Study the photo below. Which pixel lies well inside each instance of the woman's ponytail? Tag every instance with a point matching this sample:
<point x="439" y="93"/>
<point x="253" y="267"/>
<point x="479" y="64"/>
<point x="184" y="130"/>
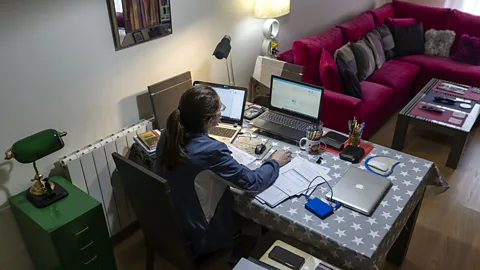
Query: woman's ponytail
<point x="173" y="152"/>
<point x="196" y="107"/>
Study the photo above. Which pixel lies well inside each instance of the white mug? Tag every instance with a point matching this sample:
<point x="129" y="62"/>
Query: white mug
<point x="309" y="146"/>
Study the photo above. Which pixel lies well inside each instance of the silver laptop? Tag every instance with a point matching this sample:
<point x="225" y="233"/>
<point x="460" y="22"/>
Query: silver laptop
<point x="233" y="98"/>
<point x="360" y="190"/>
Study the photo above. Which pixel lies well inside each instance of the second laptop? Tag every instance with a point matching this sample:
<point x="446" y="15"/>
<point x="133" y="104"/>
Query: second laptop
<point x="293" y="107"/>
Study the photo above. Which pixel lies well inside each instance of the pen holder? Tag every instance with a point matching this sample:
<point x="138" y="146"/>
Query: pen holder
<point x="309" y="146"/>
<point x="354" y="139"/>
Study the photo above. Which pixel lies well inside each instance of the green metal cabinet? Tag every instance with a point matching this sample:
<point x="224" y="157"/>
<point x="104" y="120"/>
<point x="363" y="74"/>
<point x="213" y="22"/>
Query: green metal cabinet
<point x="69" y="234"/>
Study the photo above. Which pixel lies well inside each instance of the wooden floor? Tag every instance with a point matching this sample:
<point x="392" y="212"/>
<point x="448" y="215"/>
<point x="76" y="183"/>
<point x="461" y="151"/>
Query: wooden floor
<point x="447" y="234"/>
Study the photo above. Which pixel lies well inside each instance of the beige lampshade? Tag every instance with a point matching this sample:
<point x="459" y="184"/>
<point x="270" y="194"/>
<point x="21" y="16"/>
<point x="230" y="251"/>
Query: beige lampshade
<point x="266" y="9"/>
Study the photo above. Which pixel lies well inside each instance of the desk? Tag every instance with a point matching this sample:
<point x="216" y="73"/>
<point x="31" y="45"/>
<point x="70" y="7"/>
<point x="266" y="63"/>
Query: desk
<point x="348" y="239"/>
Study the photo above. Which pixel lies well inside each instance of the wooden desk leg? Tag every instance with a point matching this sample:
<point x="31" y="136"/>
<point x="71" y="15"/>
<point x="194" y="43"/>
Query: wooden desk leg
<point x="458" y="143"/>
<point x="398" y="252"/>
<point x="400" y="132"/>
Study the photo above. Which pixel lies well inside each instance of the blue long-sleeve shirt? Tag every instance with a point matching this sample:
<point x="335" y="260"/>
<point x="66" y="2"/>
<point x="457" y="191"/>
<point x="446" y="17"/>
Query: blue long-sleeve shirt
<point x="201" y="194"/>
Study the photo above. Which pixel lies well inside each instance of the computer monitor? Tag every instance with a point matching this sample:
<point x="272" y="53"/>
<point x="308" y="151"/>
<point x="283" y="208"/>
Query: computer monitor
<point x="296" y="98"/>
<point x="232" y="97"/>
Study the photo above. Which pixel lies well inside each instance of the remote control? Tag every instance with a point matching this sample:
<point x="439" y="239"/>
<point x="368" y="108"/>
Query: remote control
<point x="432" y="109"/>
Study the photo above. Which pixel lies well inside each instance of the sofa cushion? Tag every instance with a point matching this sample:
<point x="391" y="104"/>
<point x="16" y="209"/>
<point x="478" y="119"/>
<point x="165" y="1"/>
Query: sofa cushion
<point x="463" y="23"/>
<point x="432" y="17"/>
<point x="374" y="41"/>
<point x="385" y="11"/>
<point x="388" y="43"/>
<point x="358" y="27"/>
<point x="439" y="42"/>
<point x="390" y="22"/>
<point x="307" y="52"/>
<point x="468" y="50"/>
<point x="376" y="106"/>
<point x="364" y="58"/>
<point x="397" y="75"/>
<point x="330" y="73"/>
<point x="445" y="68"/>
<point x="409" y="40"/>
<point x="345" y="59"/>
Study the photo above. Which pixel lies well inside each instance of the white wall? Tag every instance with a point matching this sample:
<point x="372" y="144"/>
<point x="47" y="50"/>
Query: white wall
<point x="59" y="69"/>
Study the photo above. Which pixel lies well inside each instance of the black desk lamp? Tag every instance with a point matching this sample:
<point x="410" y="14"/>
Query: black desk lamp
<point x="222" y="51"/>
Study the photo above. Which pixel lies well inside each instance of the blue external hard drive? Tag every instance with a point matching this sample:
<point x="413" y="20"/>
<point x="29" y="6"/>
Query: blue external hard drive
<point x="319" y="208"/>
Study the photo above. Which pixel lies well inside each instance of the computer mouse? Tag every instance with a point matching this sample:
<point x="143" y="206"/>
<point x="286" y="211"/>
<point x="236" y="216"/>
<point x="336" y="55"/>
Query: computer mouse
<point x="260" y="149"/>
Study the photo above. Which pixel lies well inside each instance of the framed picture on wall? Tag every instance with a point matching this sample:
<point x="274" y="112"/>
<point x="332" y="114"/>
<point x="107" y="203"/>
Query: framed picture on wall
<point x="138" y="36"/>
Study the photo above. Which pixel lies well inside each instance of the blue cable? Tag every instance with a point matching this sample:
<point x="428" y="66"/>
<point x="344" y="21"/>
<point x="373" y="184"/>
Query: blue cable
<point x="372" y="171"/>
<point x="331" y="190"/>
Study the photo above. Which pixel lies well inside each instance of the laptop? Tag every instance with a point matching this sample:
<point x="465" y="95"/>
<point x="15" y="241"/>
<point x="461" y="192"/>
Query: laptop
<point x="293" y="107"/>
<point x="233" y="98"/>
<point x="360" y="190"/>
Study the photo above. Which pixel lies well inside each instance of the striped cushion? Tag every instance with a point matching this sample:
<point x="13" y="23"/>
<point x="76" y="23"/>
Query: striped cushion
<point x="365" y="59"/>
<point x="374" y="41"/>
<point x="345" y="59"/>
<point x="388" y="42"/>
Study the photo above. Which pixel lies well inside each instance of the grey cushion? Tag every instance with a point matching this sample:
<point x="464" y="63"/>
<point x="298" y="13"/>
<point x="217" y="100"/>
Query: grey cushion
<point x="388" y="42"/>
<point x="345" y="59"/>
<point x="364" y="58"/>
<point x="439" y="42"/>
<point x="374" y="41"/>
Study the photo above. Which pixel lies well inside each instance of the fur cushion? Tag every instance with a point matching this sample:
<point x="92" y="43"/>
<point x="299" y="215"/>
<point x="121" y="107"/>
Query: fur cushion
<point x="439" y="42"/>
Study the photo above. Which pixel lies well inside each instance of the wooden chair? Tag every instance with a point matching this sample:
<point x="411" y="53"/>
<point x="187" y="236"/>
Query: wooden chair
<point x="149" y="195"/>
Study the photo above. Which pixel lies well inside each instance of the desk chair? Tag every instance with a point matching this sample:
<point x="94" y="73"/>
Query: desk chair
<point x="149" y="195"/>
<point x="166" y="94"/>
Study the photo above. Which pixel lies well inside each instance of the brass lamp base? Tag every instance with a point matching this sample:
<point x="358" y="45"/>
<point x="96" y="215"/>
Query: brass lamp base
<point x="39" y="197"/>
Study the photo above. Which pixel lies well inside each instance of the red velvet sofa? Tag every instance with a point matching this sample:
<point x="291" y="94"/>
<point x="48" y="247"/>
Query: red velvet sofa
<point x="398" y="80"/>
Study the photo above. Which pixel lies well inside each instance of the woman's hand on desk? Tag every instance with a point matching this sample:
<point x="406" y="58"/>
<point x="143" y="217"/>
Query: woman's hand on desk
<point x="282" y="157"/>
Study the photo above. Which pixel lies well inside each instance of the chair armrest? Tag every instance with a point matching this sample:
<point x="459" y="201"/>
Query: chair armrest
<point x="287" y="57"/>
<point x="337" y="109"/>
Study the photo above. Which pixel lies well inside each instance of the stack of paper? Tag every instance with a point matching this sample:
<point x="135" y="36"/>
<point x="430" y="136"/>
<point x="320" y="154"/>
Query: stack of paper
<point x="294" y="179"/>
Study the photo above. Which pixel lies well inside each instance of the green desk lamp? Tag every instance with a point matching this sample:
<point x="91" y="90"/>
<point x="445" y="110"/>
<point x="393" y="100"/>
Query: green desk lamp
<point x="32" y="148"/>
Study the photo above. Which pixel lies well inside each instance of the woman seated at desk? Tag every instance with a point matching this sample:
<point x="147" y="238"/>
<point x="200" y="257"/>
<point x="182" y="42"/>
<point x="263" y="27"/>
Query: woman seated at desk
<point x="199" y="170"/>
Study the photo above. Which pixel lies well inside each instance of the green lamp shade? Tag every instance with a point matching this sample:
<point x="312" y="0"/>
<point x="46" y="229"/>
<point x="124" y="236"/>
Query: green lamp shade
<point x="38" y="145"/>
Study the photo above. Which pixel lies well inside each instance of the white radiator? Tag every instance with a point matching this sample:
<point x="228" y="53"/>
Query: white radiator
<point x="91" y="168"/>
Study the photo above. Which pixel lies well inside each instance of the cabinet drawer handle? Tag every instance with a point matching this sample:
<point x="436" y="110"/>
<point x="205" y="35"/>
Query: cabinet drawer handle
<point x="89" y="244"/>
<point x="91" y="260"/>
<point x="82" y="231"/>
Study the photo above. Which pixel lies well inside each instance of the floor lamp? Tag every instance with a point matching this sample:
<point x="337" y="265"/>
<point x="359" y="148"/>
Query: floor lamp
<point x="222" y="51"/>
<point x="270" y="9"/>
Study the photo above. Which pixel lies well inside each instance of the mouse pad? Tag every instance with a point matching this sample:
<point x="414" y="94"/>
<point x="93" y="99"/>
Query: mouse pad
<point x="248" y="145"/>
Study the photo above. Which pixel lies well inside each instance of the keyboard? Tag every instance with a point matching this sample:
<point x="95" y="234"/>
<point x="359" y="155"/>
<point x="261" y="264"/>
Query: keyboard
<point x="222" y="132"/>
<point x="285" y="121"/>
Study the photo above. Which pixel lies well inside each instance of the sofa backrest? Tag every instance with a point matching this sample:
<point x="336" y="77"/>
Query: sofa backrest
<point x="463" y="23"/>
<point x="383" y="12"/>
<point x="307" y="53"/>
<point x="431" y="17"/>
<point x="358" y="27"/>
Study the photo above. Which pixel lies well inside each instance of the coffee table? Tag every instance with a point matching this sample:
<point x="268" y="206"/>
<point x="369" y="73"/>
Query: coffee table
<point x="458" y="129"/>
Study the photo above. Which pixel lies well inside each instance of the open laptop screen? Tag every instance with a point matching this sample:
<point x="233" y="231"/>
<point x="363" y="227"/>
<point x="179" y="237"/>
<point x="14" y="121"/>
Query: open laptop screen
<point x="233" y="98"/>
<point x="296" y="97"/>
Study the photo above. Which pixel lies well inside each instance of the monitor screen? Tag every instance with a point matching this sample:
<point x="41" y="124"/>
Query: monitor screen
<point x="296" y="97"/>
<point x="233" y="99"/>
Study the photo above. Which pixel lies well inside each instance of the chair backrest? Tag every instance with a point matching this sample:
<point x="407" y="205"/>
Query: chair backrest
<point x="166" y="94"/>
<point x="149" y="195"/>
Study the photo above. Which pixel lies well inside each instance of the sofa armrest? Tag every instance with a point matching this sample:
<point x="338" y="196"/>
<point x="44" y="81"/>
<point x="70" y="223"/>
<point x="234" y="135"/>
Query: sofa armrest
<point x="287" y="57"/>
<point x="337" y="109"/>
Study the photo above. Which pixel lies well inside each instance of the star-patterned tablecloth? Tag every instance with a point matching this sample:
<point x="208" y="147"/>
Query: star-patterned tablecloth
<point x="346" y="238"/>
